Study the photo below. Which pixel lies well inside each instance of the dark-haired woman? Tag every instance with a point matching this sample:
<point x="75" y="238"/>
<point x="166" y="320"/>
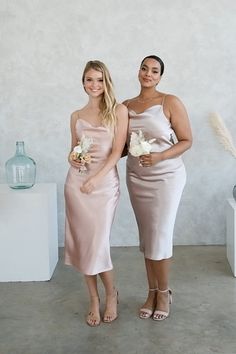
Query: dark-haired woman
<point x="155" y="181"/>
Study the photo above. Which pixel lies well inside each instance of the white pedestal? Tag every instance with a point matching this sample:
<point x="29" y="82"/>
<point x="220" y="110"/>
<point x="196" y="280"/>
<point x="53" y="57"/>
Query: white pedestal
<point x="28" y="233"/>
<point x="231" y="234"/>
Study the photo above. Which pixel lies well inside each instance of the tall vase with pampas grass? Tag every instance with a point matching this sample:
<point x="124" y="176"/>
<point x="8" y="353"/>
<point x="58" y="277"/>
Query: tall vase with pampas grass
<point x="224" y="136"/>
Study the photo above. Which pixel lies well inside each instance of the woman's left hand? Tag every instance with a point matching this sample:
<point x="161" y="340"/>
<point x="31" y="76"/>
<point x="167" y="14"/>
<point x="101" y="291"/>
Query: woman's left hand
<point x="150" y="159"/>
<point x="88" y="185"/>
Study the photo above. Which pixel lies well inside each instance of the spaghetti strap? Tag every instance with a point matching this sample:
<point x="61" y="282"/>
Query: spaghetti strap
<point x="163" y="100"/>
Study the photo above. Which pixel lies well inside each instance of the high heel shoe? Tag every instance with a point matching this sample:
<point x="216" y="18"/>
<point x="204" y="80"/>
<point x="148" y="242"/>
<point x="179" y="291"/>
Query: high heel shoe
<point x="146" y="312"/>
<point x="93" y="319"/>
<point x="160" y="315"/>
<point x="110" y="314"/>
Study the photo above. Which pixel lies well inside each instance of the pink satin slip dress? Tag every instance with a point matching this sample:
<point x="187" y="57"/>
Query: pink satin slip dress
<point x="89" y="217"/>
<point x="155" y="191"/>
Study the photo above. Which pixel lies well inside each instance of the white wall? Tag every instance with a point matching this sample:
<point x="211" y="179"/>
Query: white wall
<point x="44" y="46"/>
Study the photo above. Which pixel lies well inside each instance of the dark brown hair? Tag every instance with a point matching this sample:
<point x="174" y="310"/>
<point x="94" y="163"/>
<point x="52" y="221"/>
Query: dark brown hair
<point x="157" y="59"/>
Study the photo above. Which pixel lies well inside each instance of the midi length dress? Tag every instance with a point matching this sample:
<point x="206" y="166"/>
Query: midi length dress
<point x="155" y="191"/>
<point x="89" y="217"/>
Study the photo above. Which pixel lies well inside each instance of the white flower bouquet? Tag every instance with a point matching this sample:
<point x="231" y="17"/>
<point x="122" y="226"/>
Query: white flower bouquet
<point x="138" y="145"/>
<point x="81" y="154"/>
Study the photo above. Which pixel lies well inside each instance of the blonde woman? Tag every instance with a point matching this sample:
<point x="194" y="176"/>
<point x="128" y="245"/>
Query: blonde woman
<point x="91" y="197"/>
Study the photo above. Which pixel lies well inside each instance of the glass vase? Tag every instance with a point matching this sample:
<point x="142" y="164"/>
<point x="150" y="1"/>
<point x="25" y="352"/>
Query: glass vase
<point x="234" y="192"/>
<point x="20" y="169"/>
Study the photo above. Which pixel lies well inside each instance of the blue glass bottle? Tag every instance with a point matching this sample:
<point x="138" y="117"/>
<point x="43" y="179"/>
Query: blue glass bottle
<point x="20" y="169"/>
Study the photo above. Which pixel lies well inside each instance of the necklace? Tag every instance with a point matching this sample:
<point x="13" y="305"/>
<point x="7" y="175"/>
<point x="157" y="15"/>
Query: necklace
<point x="146" y="99"/>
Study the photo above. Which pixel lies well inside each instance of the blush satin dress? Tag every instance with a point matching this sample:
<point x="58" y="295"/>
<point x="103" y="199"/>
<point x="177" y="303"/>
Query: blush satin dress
<point x="155" y="191"/>
<point x="89" y="217"/>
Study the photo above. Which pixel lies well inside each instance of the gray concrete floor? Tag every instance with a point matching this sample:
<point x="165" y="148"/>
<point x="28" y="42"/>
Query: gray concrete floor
<point x="48" y="317"/>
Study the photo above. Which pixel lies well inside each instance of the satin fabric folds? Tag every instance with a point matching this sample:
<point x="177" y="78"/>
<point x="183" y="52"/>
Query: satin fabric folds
<point x="89" y="217"/>
<point x="155" y="191"/>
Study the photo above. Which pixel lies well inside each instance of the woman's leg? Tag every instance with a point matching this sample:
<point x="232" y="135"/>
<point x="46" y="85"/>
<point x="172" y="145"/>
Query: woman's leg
<point x="93" y="318"/>
<point x="161" y="271"/>
<point x="148" y="307"/>
<point x="110" y="313"/>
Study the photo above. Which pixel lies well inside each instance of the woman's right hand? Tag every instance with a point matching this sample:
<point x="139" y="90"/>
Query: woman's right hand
<point x="74" y="163"/>
<point x="151" y="159"/>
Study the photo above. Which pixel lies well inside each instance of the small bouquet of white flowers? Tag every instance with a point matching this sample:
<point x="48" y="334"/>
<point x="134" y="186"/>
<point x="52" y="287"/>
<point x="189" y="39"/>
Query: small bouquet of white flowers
<point x="138" y="145"/>
<point x="80" y="153"/>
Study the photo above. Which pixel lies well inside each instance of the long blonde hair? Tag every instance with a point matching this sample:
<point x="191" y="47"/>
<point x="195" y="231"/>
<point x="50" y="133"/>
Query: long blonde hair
<point x="108" y="102"/>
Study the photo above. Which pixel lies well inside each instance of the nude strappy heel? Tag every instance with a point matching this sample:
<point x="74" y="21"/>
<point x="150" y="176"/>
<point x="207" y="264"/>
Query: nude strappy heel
<point x="92" y="319"/>
<point x="146" y="312"/>
<point x="160" y="315"/>
<point x="111" y="315"/>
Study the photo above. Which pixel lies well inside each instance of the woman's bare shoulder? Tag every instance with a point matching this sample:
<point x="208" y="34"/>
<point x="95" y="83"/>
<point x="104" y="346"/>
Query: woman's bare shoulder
<point x="128" y="101"/>
<point x="76" y="114"/>
<point x="171" y="98"/>
<point x="121" y="108"/>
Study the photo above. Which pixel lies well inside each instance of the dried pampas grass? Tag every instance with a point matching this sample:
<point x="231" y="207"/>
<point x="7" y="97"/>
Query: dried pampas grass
<point x="223" y="133"/>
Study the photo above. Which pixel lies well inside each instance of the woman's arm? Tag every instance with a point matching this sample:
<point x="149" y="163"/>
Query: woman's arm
<point x="177" y="114"/>
<point x="74" y="138"/>
<point x="117" y="148"/>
